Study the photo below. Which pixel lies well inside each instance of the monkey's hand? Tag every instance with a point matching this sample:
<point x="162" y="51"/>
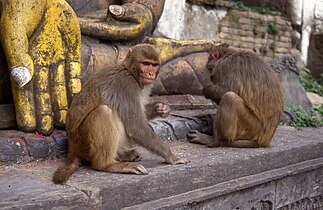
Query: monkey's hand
<point x="157" y="109"/>
<point x="213" y="92"/>
<point x="162" y="110"/>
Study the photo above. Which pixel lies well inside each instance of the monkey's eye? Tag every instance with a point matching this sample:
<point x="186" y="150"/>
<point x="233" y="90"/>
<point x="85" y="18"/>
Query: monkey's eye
<point x="155" y="64"/>
<point x="146" y="63"/>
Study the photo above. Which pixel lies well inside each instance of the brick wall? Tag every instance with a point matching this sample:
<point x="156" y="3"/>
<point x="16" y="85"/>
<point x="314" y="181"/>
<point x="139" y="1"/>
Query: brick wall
<point x="268" y="36"/>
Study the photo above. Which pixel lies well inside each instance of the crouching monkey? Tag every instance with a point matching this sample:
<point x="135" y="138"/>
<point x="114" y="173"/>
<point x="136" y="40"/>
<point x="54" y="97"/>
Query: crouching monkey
<point x="249" y="97"/>
<point x="111" y="112"/>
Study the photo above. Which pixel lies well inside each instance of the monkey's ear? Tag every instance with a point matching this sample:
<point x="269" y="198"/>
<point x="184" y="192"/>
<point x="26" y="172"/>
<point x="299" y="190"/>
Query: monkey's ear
<point x="215" y="54"/>
<point x="219" y="51"/>
<point x="128" y="55"/>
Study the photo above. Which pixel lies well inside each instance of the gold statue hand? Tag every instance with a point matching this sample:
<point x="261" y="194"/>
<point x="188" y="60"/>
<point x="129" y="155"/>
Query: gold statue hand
<point x="130" y="21"/>
<point x="41" y="40"/>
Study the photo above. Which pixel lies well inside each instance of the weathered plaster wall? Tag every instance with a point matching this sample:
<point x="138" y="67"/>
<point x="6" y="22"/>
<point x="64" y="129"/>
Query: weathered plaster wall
<point x="315" y="52"/>
<point x="318" y="18"/>
<point x="171" y="23"/>
<point x="184" y="21"/>
<point x="268" y="36"/>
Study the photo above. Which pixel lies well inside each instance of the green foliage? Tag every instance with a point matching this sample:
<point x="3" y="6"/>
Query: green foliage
<point x="273" y="46"/>
<point x="314" y="118"/>
<point x="238" y="5"/>
<point x="319" y="110"/>
<point x="312" y="85"/>
<point x="272" y="29"/>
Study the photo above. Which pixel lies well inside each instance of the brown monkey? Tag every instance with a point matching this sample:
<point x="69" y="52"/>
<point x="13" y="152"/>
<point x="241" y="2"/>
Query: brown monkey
<point x="249" y="97"/>
<point x="109" y="114"/>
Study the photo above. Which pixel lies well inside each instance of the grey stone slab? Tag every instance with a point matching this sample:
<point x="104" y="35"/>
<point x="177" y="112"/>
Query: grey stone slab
<point x="258" y="191"/>
<point x="37" y="145"/>
<point x="30" y="187"/>
<point x="209" y="167"/>
<point x="176" y="126"/>
<point x="295" y="188"/>
<point x="288" y="73"/>
<point x="185" y="102"/>
<point x="12" y="149"/>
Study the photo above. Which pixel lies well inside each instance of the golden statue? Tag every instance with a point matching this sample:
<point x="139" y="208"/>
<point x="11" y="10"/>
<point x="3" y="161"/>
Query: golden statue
<point x="127" y="22"/>
<point x="134" y="20"/>
<point x="41" y="40"/>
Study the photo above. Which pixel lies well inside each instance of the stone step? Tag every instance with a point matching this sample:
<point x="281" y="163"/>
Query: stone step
<point x="288" y="173"/>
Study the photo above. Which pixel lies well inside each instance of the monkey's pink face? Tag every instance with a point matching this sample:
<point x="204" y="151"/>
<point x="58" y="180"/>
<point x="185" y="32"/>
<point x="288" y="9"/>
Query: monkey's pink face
<point x="148" y="71"/>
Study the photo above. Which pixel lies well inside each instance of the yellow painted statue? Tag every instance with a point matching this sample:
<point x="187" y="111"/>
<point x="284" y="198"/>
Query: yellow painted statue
<point x="42" y="41"/>
<point x="134" y="21"/>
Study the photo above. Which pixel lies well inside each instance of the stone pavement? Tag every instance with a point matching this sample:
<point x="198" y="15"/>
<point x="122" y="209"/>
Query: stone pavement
<point x="288" y="174"/>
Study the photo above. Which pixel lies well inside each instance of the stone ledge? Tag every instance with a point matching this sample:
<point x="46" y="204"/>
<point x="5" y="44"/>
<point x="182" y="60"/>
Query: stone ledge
<point x="295" y="155"/>
<point x="194" y="198"/>
<point x="19" y="147"/>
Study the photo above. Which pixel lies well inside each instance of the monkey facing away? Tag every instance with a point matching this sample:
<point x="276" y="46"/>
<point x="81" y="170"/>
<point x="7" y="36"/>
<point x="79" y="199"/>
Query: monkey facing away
<point x="249" y="97"/>
<point x="110" y="113"/>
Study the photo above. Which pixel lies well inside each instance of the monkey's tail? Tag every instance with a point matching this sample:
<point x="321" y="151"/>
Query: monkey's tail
<point x="62" y="174"/>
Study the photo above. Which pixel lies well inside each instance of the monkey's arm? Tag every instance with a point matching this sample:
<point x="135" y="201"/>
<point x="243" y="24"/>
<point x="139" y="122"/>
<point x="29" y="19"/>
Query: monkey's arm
<point x="214" y="92"/>
<point x="142" y="134"/>
<point x="138" y="129"/>
<point x="157" y="109"/>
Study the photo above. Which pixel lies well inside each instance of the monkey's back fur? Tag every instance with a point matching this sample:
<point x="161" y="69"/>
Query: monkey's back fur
<point x="97" y="91"/>
<point x="255" y="82"/>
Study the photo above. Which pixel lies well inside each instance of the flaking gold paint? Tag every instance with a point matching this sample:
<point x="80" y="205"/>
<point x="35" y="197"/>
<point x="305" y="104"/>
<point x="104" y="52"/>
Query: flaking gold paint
<point x="46" y="123"/>
<point x="25" y="115"/>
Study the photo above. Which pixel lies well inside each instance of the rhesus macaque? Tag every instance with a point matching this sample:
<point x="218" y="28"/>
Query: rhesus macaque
<point x="249" y="97"/>
<point x="110" y="113"/>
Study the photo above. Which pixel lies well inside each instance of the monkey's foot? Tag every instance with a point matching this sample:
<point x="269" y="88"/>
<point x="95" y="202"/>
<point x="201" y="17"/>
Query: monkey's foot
<point x="129" y="156"/>
<point x="127" y="168"/>
<point x="196" y="137"/>
<point x="179" y="161"/>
